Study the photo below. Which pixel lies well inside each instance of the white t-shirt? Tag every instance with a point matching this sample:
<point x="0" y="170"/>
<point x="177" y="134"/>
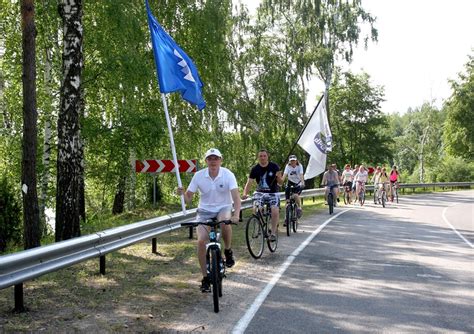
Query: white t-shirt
<point x="214" y="194"/>
<point x="362" y="176"/>
<point x="347" y="176"/>
<point x="293" y="173"/>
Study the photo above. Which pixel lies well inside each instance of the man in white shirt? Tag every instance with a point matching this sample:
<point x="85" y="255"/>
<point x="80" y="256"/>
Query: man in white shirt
<point x="218" y="189"/>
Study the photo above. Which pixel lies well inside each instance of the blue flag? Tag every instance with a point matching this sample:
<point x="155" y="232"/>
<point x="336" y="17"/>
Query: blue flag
<point x="175" y="70"/>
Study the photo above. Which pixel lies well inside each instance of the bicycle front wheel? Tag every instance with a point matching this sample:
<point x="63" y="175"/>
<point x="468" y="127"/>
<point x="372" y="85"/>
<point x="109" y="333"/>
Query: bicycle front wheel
<point x="215" y="281"/>
<point x="272" y="245"/>
<point x="288" y="219"/>
<point x="254" y="236"/>
<point x="383" y="199"/>
<point x="294" y="219"/>
<point x="396" y="194"/>
<point x="331" y="203"/>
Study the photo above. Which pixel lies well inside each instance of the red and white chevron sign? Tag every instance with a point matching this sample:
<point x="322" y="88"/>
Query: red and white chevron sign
<point x="165" y="166"/>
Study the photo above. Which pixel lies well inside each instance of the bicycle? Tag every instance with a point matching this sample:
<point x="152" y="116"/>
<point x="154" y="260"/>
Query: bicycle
<point x="258" y="230"/>
<point x="382" y="195"/>
<point x="214" y="262"/>
<point x="394" y="191"/>
<point x="362" y="193"/>
<point x="331" y="199"/>
<point x="376" y="195"/>
<point x="347" y="194"/>
<point x="291" y="218"/>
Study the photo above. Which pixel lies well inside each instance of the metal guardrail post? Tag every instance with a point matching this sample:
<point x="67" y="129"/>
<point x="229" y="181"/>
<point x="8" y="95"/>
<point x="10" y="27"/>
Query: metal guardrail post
<point x="153" y="245"/>
<point x="102" y="264"/>
<point x="19" y="306"/>
<point x="190" y="232"/>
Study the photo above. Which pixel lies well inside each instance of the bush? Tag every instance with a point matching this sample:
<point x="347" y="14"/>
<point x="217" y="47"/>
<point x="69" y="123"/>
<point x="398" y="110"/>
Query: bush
<point x="452" y="169"/>
<point x="10" y="215"/>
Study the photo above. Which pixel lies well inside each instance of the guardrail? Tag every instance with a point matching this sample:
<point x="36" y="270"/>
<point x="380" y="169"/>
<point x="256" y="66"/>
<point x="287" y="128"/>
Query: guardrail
<point x="22" y="266"/>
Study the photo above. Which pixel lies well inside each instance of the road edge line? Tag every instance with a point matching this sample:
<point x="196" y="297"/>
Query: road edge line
<point x="241" y="326"/>
<point x="452" y="227"/>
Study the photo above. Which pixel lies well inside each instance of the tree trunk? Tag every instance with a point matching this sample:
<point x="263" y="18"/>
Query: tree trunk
<point x="119" y="199"/>
<point x="69" y="169"/>
<point x="132" y="181"/>
<point x="31" y="222"/>
<point x="46" y="144"/>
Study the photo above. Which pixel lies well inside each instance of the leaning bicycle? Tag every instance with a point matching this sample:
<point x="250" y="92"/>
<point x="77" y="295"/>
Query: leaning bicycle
<point x="291" y="217"/>
<point x="258" y="230"/>
<point x="214" y="261"/>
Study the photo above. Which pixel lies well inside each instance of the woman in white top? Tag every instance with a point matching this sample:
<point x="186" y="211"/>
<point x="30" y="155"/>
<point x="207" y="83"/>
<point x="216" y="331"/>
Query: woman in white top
<point x="360" y="179"/>
<point x="347" y="179"/>
<point x="294" y="171"/>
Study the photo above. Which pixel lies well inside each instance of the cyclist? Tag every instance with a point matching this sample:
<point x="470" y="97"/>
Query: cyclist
<point x="267" y="175"/>
<point x="347" y="179"/>
<point x="331" y="181"/>
<point x="360" y="179"/>
<point x="383" y="179"/>
<point x="394" y="178"/>
<point x="218" y="190"/>
<point x="375" y="180"/>
<point x="354" y="172"/>
<point x="294" y="171"/>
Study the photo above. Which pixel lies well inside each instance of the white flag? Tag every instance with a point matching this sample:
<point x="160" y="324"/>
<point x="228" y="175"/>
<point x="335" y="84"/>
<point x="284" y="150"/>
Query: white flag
<point x="317" y="141"/>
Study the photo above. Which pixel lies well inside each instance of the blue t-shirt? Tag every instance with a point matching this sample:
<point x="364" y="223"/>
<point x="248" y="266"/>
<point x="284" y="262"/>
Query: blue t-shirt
<point x="265" y="177"/>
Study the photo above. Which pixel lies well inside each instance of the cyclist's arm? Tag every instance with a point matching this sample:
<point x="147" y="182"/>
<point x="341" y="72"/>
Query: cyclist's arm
<point x="324" y="180"/>
<point x="283" y="179"/>
<point x="279" y="178"/>
<point x="237" y="204"/>
<point x="247" y="187"/>
<point x="302" y="179"/>
<point x="188" y="195"/>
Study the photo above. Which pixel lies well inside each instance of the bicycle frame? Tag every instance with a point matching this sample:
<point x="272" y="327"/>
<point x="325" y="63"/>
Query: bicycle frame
<point x="215" y="267"/>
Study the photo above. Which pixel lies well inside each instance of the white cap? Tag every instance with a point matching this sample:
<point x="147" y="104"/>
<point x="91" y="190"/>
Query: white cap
<point x="292" y="157"/>
<point x="213" y="151"/>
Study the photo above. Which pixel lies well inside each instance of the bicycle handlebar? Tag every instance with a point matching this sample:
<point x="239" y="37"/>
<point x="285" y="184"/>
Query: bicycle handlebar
<point x="208" y="222"/>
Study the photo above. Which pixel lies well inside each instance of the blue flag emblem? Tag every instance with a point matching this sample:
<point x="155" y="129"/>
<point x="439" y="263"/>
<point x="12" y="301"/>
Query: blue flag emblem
<point x="175" y="70"/>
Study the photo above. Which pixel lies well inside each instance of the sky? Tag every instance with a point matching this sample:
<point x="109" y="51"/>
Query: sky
<point x="421" y="45"/>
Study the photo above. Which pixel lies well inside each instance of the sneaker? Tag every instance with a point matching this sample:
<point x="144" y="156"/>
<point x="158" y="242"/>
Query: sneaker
<point x="229" y="258"/>
<point x="272" y="238"/>
<point x="299" y="212"/>
<point x="206" y="284"/>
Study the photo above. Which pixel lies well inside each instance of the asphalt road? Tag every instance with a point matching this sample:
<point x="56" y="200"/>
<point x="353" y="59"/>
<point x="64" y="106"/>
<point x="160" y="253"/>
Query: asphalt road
<point x="406" y="268"/>
<point x="399" y="269"/>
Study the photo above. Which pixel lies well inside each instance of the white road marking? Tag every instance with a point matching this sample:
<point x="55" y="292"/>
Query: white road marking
<point x="241" y="326"/>
<point x="452" y="227"/>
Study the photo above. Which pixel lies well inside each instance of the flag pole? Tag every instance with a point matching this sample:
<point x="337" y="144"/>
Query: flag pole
<point x="173" y="150"/>
<point x="304" y="128"/>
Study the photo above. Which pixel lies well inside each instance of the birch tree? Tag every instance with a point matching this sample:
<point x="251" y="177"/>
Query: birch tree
<point x="69" y="168"/>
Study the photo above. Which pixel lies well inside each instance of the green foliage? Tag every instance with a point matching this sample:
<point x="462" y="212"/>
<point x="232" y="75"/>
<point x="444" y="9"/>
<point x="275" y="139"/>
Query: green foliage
<point x="452" y="169"/>
<point x="10" y="215"/>
<point x="416" y="138"/>
<point x="459" y="125"/>
<point x="358" y="125"/>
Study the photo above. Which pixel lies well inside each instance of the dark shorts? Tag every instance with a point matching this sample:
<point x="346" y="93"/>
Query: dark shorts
<point x="295" y="190"/>
<point x="348" y="184"/>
